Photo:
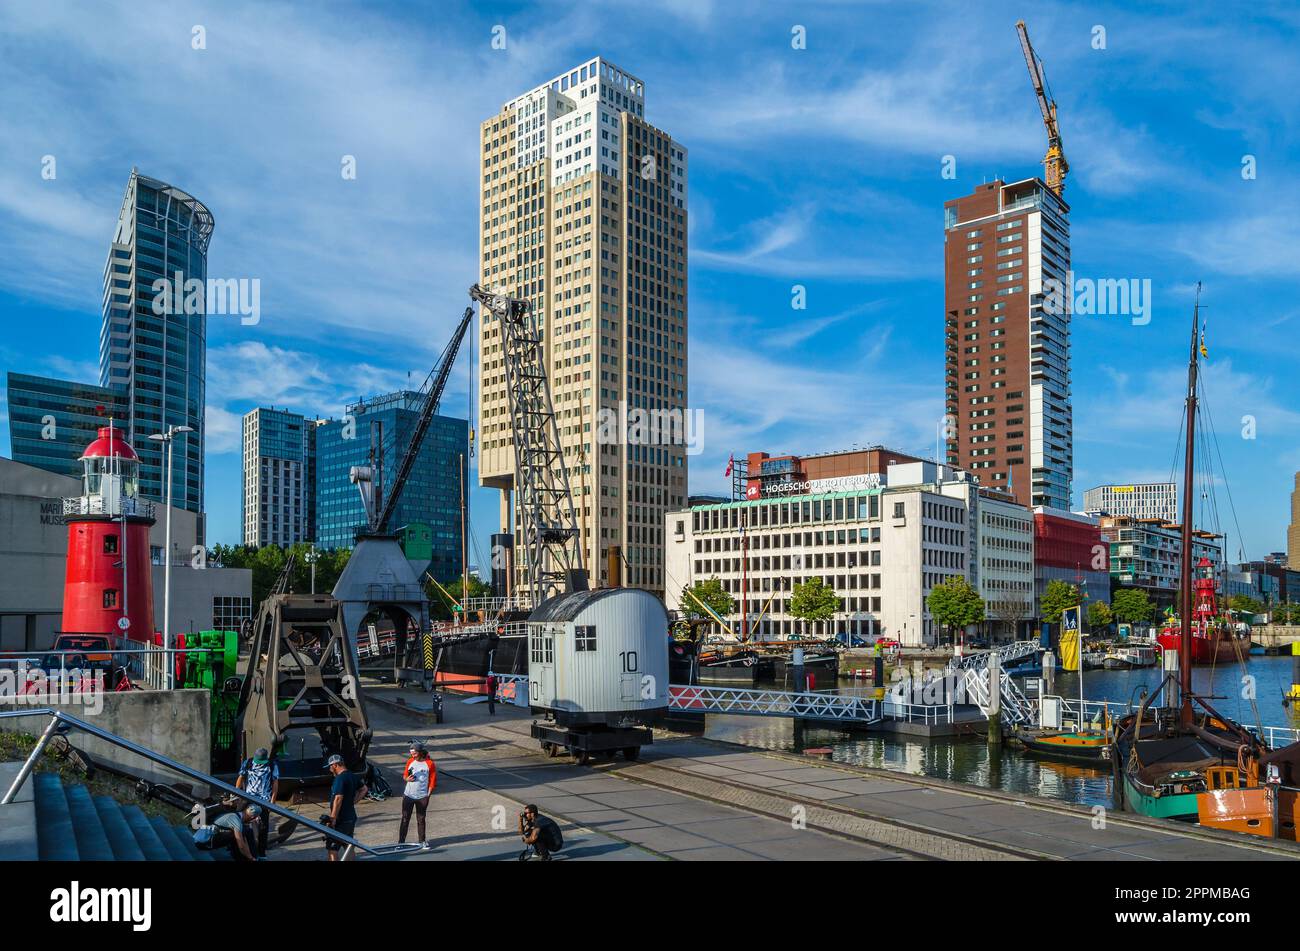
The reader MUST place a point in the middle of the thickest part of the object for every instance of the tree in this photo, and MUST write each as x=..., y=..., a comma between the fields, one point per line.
x=1245, y=604
x=1011, y=611
x=268, y=562
x=1099, y=615
x=711, y=593
x=1057, y=597
x=813, y=601
x=955, y=603
x=472, y=584
x=1132, y=606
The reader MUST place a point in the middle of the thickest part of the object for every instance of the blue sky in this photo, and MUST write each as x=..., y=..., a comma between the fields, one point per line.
x=820, y=167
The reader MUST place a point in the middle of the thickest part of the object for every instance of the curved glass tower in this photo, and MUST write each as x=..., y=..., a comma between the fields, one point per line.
x=153, y=342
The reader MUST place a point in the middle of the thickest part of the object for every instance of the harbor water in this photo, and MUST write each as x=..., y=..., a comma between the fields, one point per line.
x=969, y=760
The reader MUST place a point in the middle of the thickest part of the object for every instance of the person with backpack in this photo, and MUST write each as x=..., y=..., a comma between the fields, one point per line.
x=260, y=777
x=421, y=778
x=540, y=833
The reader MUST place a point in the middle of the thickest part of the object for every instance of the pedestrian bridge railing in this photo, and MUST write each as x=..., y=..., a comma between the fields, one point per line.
x=930, y=714
x=774, y=703
x=1017, y=650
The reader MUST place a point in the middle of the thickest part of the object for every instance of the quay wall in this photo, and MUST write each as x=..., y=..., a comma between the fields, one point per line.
x=175, y=723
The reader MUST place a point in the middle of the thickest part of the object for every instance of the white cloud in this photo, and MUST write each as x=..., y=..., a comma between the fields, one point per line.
x=222, y=430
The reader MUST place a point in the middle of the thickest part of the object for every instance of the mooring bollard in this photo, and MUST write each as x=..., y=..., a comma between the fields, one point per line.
x=995, y=701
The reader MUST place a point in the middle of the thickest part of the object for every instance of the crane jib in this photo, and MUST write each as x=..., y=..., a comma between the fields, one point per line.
x=432, y=395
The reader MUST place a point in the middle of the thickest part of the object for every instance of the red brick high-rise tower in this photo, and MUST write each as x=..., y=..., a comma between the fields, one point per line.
x=1007, y=383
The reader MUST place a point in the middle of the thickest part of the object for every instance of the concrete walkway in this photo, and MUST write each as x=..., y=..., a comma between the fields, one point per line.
x=489, y=768
x=689, y=798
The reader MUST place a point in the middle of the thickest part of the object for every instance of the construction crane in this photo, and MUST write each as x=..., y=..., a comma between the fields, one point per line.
x=1055, y=166
x=551, y=540
x=431, y=394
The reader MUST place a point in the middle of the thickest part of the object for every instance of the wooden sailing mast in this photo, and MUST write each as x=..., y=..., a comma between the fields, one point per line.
x=1185, y=561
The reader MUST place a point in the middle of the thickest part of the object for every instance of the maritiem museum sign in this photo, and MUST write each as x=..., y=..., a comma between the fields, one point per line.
x=854, y=483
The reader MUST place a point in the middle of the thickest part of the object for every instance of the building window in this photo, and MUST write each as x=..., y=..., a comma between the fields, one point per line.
x=584, y=637
x=110, y=598
x=229, y=613
x=110, y=544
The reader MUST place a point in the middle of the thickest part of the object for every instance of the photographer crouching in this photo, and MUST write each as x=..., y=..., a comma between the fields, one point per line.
x=540, y=833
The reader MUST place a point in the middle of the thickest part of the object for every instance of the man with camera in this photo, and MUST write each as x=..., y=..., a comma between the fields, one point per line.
x=540, y=834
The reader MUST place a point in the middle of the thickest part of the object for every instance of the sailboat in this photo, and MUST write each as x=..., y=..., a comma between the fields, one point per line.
x=1168, y=757
x=1082, y=744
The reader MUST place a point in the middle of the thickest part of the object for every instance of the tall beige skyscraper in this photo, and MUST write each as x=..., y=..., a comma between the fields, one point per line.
x=584, y=214
x=1293, y=530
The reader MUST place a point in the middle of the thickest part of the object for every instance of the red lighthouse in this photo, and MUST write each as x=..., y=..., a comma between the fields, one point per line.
x=109, y=583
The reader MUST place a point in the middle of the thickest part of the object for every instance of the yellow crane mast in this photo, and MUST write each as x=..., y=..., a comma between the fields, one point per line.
x=1055, y=166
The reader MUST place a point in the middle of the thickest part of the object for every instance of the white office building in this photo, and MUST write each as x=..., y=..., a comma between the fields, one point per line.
x=1139, y=500
x=882, y=550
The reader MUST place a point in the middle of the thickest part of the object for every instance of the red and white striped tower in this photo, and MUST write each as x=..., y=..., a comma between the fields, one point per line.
x=108, y=586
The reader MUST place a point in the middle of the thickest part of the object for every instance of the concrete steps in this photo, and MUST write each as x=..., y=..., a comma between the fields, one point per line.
x=51, y=822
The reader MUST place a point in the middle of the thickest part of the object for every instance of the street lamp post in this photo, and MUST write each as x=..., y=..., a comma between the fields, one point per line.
x=312, y=557
x=167, y=438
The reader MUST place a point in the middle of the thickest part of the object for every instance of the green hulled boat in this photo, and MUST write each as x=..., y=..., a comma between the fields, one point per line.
x=1075, y=746
x=1165, y=757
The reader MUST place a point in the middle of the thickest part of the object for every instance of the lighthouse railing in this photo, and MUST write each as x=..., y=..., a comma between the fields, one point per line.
x=95, y=505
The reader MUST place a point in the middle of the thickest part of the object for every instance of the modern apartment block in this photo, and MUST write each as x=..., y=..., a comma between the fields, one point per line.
x=1007, y=367
x=375, y=431
x=279, y=498
x=1293, y=529
x=584, y=214
x=159, y=359
x=1140, y=500
x=1145, y=553
x=51, y=422
x=881, y=549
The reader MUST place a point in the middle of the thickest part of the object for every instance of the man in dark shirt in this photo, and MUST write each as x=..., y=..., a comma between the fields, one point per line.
x=540, y=833
x=344, y=795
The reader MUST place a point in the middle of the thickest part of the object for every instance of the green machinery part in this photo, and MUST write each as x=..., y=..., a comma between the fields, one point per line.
x=209, y=667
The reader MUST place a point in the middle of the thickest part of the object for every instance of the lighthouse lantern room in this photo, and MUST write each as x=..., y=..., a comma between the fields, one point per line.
x=109, y=584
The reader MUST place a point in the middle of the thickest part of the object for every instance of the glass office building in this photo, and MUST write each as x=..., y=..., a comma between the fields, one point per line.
x=158, y=358
x=381, y=427
x=51, y=422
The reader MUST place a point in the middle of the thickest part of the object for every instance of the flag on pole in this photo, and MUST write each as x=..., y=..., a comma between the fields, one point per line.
x=1071, y=645
x=730, y=464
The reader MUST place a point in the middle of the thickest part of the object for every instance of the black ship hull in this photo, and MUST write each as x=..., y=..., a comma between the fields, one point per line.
x=465, y=666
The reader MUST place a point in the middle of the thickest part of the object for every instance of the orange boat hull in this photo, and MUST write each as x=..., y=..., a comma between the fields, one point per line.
x=1251, y=811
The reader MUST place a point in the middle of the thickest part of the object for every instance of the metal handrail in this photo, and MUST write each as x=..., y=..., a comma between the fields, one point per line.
x=930, y=713
x=58, y=716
